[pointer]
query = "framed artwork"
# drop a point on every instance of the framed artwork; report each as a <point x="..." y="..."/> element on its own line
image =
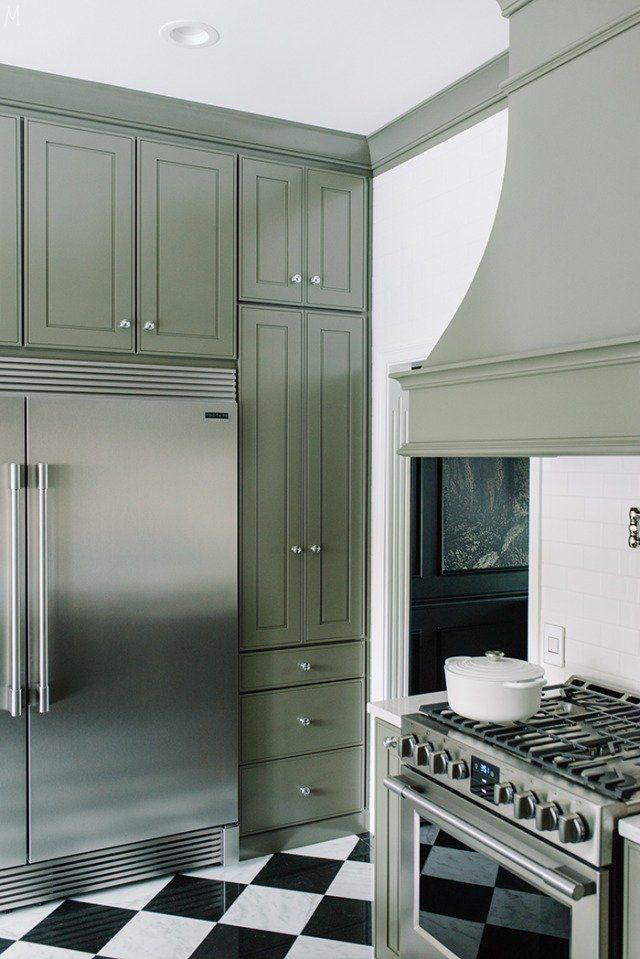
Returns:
<point x="484" y="514"/>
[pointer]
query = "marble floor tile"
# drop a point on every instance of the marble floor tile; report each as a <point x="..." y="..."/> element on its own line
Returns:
<point x="332" y="849"/>
<point x="307" y="947"/>
<point x="133" y="896"/>
<point x="14" y="925"/>
<point x="242" y="872"/>
<point x="36" y="950"/>
<point x="277" y="910"/>
<point x="354" y="881"/>
<point x="151" y="935"/>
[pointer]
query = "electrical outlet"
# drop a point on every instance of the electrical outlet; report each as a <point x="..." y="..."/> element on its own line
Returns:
<point x="553" y="652"/>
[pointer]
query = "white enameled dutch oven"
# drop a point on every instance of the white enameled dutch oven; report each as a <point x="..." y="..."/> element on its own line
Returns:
<point x="493" y="688"/>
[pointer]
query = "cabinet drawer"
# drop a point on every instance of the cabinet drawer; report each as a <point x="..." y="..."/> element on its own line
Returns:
<point x="295" y="721"/>
<point x="273" y="795"/>
<point x="297" y="667"/>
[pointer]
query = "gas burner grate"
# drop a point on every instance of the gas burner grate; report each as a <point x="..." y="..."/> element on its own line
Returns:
<point x="582" y="732"/>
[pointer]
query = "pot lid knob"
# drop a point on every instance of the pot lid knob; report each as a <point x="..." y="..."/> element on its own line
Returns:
<point x="495" y="655"/>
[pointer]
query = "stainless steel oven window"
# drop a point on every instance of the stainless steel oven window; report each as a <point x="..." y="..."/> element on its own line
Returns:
<point x="473" y="886"/>
<point x="479" y="909"/>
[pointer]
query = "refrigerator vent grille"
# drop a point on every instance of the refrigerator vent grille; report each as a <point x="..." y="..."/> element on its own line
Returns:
<point x="54" y="879"/>
<point x="24" y="374"/>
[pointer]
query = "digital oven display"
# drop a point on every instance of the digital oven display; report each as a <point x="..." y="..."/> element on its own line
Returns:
<point x="484" y="777"/>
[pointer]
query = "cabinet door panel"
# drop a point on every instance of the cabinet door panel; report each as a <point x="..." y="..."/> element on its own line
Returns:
<point x="271" y="402"/>
<point x="335" y="497"/>
<point x="10" y="233"/>
<point x="187" y="251"/>
<point x="79" y="238"/>
<point x="336" y="239"/>
<point x="271" y="231"/>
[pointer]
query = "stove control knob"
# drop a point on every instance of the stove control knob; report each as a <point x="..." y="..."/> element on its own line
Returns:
<point x="439" y="762"/>
<point x="503" y="794"/>
<point x="407" y="745"/>
<point x="422" y="754"/>
<point x="524" y="805"/>
<point x="547" y="816"/>
<point x="458" y="770"/>
<point x="572" y="828"/>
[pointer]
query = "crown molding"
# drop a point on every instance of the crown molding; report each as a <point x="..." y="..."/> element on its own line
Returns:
<point x="31" y="90"/>
<point x="469" y="100"/>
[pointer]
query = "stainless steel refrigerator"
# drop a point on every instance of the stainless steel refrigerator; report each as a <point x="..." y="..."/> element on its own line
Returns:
<point x="118" y="651"/>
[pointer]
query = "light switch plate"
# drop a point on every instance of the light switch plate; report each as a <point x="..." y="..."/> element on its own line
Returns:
<point x="553" y="651"/>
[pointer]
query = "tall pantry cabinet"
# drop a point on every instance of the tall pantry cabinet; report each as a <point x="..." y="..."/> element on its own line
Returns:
<point x="303" y="467"/>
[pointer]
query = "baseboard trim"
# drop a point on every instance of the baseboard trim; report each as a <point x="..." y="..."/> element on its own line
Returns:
<point x="278" y="840"/>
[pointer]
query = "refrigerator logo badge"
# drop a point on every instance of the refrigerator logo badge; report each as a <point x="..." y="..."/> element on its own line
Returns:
<point x="216" y="416"/>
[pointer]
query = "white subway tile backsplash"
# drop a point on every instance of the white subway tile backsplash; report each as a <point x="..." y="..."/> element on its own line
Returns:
<point x="583" y="544"/>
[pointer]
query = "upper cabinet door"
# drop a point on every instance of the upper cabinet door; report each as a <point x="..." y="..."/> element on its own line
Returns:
<point x="80" y="249"/>
<point x="272" y="544"/>
<point x="187" y="251"/>
<point x="336" y="474"/>
<point x="10" y="233"/>
<point x="336" y="239"/>
<point x="271" y="232"/>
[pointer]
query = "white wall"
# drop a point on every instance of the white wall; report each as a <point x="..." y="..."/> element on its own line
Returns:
<point x="431" y="221"/>
<point x="590" y="578"/>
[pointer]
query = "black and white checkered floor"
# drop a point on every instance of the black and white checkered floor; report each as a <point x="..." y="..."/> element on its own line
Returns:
<point x="309" y="903"/>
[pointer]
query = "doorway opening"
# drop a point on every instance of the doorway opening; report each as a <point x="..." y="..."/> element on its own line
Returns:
<point x="469" y="558"/>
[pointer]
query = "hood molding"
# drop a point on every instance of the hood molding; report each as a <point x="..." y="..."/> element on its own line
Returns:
<point x="543" y="355"/>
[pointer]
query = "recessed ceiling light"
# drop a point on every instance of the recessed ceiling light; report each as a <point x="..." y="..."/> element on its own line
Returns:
<point x="189" y="33"/>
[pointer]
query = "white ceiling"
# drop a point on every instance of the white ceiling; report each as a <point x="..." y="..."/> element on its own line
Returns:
<point x="347" y="64"/>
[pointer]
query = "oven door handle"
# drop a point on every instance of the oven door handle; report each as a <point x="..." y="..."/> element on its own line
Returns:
<point x="550" y="877"/>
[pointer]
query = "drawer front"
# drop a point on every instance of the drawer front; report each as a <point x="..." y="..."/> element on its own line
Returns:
<point x="273" y="795"/>
<point x="297" y="667"/>
<point x="291" y="722"/>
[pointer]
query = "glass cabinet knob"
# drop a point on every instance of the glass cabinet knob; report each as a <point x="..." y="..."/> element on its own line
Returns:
<point x="125" y="324"/>
<point x="304" y="720"/>
<point x="296" y="278"/>
<point x="304" y="791"/>
<point x="305" y="667"/>
<point x="149" y="326"/>
<point x="315" y="280"/>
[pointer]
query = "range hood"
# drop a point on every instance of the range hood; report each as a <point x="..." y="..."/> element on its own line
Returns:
<point x="543" y="356"/>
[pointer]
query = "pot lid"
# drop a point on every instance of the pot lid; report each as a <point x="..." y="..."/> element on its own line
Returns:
<point x="493" y="667"/>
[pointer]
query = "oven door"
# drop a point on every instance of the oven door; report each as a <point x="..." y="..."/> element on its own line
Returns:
<point x="475" y="886"/>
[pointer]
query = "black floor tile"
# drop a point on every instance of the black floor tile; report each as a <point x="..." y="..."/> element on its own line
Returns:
<point x="5" y="943"/>
<point x="79" y="925"/>
<point x="231" y="942"/>
<point x="302" y="873"/>
<point x="194" y="898"/>
<point x="362" y="851"/>
<point x="343" y="920"/>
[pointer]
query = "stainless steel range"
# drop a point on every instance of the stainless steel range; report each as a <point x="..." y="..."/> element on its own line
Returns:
<point x="508" y="834"/>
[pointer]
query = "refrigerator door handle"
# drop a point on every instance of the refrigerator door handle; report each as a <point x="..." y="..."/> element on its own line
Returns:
<point x="42" y="476"/>
<point x="14" y="691"/>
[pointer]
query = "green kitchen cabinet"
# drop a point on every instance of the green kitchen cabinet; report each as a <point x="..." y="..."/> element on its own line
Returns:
<point x="306" y="719"/>
<point x="336" y="239"/>
<point x="303" y="236"/>
<point x="276" y="668"/>
<point x="271" y="228"/>
<point x="10" y="254"/>
<point x="335" y="477"/>
<point x="271" y="442"/>
<point x="387" y="833"/>
<point x="186" y="220"/>
<point x="302" y="395"/>
<point x="79" y="238"/>
<point x="304" y="789"/>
